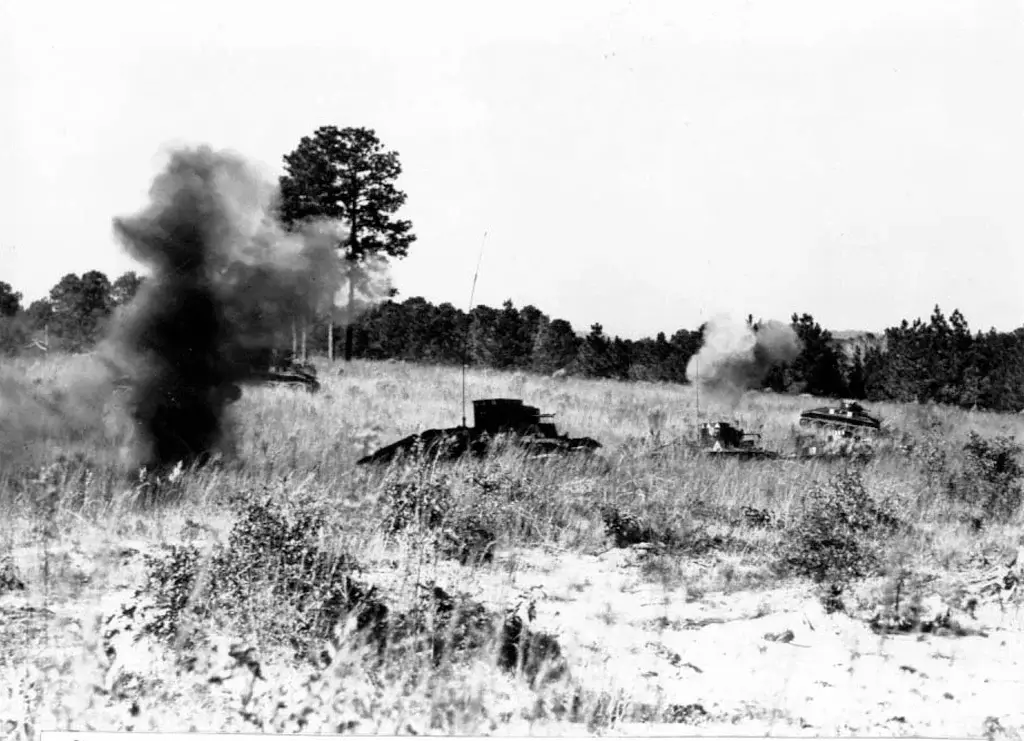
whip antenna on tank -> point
(465, 336)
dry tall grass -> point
(77, 528)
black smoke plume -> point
(735, 357)
(227, 281)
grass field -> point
(687, 595)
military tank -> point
(721, 439)
(848, 418)
(281, 369)
(273, 368)
(494, 421)
(842, 431)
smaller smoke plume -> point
(228, 280)
(735, 358)
(367, 283)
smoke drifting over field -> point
(734, 358)
(48, 408)
(227, 279)
(371, 284)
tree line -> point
(936, 361)
(940, 360)
(71, 318)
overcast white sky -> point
(637, 164)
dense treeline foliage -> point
(942, 361)
(511, 338)
(939, 360)
(72, 318)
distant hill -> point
(850, 339)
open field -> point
(697, 597)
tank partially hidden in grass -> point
(256, 367)
(845, 430)
(279, 368)
(721, 439)
(848, 418)
(271, 368)
(494, 421)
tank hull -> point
(269, 367)
(842, 431)
(291, 378)
(457, 442)
(498, 424)
(848, 416)
(724, 441)
(756, 454)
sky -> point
(642, 165)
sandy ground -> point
(662, 646)
(713, 655)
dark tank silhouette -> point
(493, 419)
(268, 367)
(278, 368)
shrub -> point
(499, 484)
(170, 582)
(272, 577)
(424, 501)
(625, 527)
(465, 520)
(993, 475)
(928, 447)
(830, 539)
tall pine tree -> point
(347, 174)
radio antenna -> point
(465, 336)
